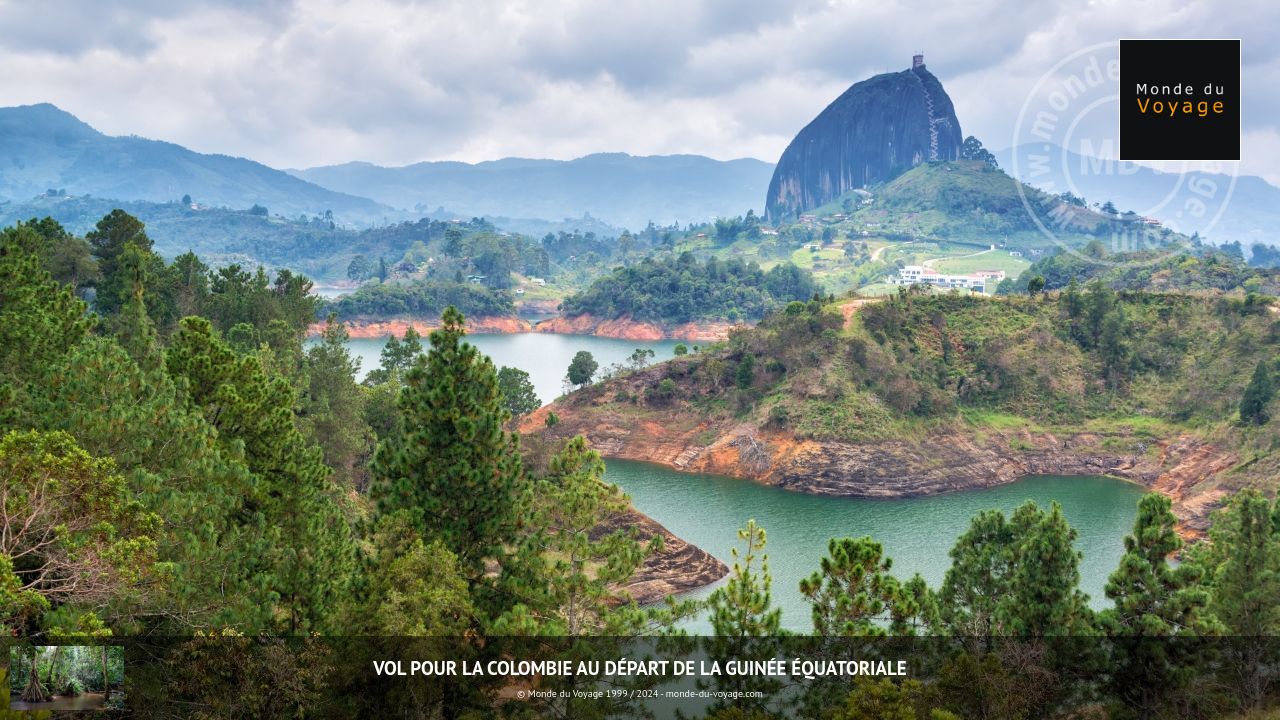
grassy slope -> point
(904, 368)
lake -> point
(708, 510)
(544, 356)
(917, 533)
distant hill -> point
(619, 189)
(875, 131)
(43, 147)
(221, 236)
(1252, 215)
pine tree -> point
(743, 606)
(1257, 395)
(408, 588)
(1043, 598)
(1153, 599)
(109, 240)
(312, 563)
(176, 467)
(452, 467)
(1242, 566)
(133, 326)
(398, 355)
(40, 321)
(982, 564)
(1152, 603)
(744, 622)
(581, 564)
(854, 594)
(1246, 578)
(332, 409)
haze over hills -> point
(875, 131)
(620, 189)
(43, 147)
(1252, 215)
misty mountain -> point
(43, 147)
(1252, 214)
(616, 188)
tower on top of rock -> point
(917, 61)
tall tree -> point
(1257, 395)
(1044, 598)
(588, 563)
(582, 368)
(312, 564)
(398, 355)
(1151, 597)
(1242, 566)
(854, 594)
(743, 606)
(133, 326)
(1152, 603)
(982, 564)
(518, 395)
(211, 544)
(452, 467)
(40, 320)
(109, 239)
(331, 406)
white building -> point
(980, 281)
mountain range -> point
(622, 190)
(43, 147)
(1251, 215)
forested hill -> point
(321, 248)
(1066, 357)
(422, 299)
(924, 393)
(683, 289)
(1197, 268)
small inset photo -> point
(66, 678)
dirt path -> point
(929, 263)
(875, 255)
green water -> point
(917, 533)
(708, 510)
(544, 356)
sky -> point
(301, 83)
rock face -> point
(1189, 470)
(678, 568)
(495, 325)
(627, 329)
(878, 129)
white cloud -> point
(312, 82)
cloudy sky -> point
(298, 83)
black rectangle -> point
(1180, 99)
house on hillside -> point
(978, 281)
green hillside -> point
(971, 202)
(1197, 268)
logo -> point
(1066, 144)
